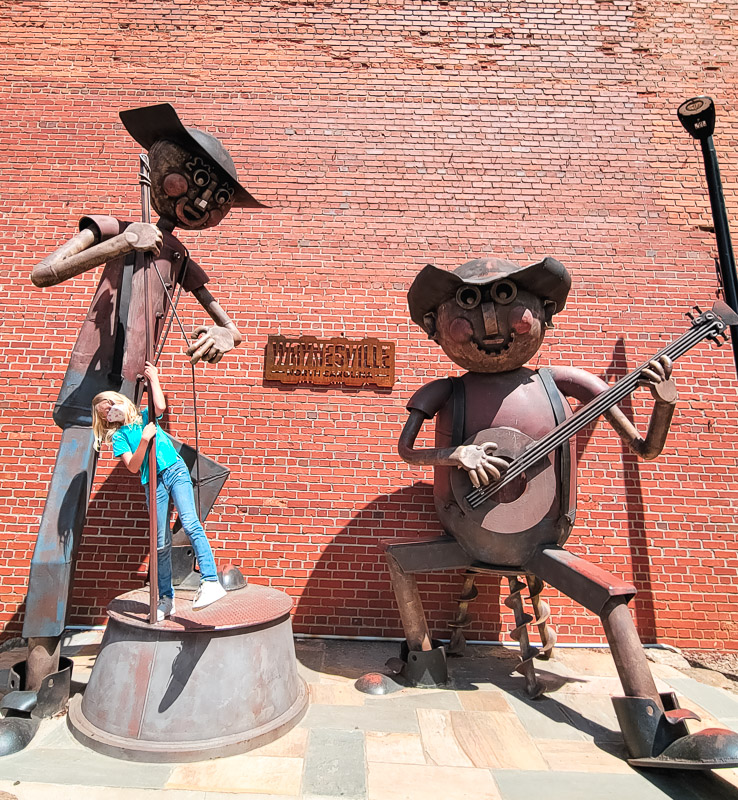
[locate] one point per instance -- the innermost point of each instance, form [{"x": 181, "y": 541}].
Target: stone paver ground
[{"x": 480, "y": 737}]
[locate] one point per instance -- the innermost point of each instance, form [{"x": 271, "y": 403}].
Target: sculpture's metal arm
[
  {"x": 664, "y": 393},
  {"x": 212, "y": 343},
  {"x": 476, "y": 459},
  {"x": 84, "y": 251}
]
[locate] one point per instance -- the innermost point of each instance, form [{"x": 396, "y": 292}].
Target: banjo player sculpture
[{"x": 505, "y": 482}]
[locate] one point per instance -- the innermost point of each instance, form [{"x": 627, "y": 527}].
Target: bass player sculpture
[
  {"x": 505, "y": 481},
  {"x": 193, "y": 185}
]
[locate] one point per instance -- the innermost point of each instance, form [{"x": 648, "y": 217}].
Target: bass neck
[{"x": 708, "y": 325}]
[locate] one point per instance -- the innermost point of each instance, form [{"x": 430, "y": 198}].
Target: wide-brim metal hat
[
  {"x": 547, "y": 279},
  {"x": 148, "y": 124}
]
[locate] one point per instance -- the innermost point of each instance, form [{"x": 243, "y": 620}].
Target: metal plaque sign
[{"x": 330, "y": 361}]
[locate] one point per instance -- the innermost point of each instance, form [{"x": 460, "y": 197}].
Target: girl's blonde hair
[{"x": 104, "y": 430}]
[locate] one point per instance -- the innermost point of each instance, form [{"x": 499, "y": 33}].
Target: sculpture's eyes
[
  {"x": 199, "y": 170},
  {"x": 468, "y": 296},
  {"x": 223, "y": 194},
  {"x": 503, "y": 292}
]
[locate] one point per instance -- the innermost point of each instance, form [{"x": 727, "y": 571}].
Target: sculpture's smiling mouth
[{"x": 494, "y": 346}]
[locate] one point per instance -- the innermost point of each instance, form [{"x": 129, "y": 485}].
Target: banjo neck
[{"x": 708, "y": 325}]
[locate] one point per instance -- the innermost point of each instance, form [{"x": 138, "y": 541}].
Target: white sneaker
[
  {"x": 208, "y": 593},
  {"x": 165, "y": 608}
]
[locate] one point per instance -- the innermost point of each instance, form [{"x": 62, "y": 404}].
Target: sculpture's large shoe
[
  {"x": 22, "y": 710},
  {"x": 16, "y": 733},
  {"x": 712, "y": 748},
  {"x": 660, "y": 739}
]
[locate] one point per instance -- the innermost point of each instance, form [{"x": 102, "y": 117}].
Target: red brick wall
[{"x": 383, "y": 136}]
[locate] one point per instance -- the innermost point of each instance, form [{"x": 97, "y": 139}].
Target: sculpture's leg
[
  {"x": 457, "y": 645},
  {"x": 42, "y": 660},
  {"x": 627, "y": 651},
  {"x": 410, "y": 606},
  {"x": 422, "y": 661},
  {"x": 42, "y": 685},
  {"x": 514, "y": 601},
  {"x": 52, "y": 565},
  {"x": 542, "y": 611},
  {"x": 653, "y": 726}
]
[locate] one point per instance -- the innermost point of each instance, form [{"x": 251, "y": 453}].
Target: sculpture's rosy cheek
[
  {"x": 175, "y": 185},
  {"x": 460, "y": 330},
  {"x": 522, "y": 320}
]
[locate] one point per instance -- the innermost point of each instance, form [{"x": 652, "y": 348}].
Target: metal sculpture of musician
[
  {"x": 505, "y": 479},
  {"x": 194, "y": 185}
]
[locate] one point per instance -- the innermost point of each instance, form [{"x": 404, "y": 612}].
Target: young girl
[{"x": 116, "y": 420}]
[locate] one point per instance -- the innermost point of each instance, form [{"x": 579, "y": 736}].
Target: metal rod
[{"x": 145, "y": 183}]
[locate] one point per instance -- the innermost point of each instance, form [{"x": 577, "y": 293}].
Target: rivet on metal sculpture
[
  {"x": 505, "y": 485},
  {"x": 193, "y": 185}
]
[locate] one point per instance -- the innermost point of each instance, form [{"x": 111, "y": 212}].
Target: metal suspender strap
[
  {"x": 458, "y": 397},
  {"x": 568, "y": 503}
]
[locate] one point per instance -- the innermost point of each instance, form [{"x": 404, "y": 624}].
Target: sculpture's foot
[
  {"x": 660, "y": 739},
  {"x": 424, "y": 669},
  {"x": 712, "y": 748},
  {"x": 16, "y": 733}
]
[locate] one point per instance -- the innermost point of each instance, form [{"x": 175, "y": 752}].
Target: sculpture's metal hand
[
  {"x": 658, "y": 379},
  {"x": 210, "y": 344},
  {"x": 480, "y": 464},
  {"x": 144, "y": 237}
]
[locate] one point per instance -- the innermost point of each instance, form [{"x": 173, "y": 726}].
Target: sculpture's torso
[{"x": 514, "y": 400}]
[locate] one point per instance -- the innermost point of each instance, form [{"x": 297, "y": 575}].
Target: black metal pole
[{"x": 698, "y": 117}]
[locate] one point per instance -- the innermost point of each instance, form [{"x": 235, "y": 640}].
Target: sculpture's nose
[{"x": 489, "y": 315}]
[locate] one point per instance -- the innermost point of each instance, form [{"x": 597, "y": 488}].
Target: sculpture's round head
[
  {"x": 489, "y": 315},
  {"x": 193, "y": 178}
]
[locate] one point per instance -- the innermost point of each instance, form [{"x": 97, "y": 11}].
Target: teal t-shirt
[{"x": 128, "y": 438}]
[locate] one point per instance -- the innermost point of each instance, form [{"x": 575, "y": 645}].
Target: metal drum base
[{"x": 203, "y": 684}]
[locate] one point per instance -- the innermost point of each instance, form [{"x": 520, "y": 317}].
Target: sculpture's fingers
[
  {"x": 196, "y": 355},
  {"x": 668, "y": 366},
  {"x": 492, "y": 471},
  {"x": 648, "y": 376},
  {"x": 658, "y": 368}
]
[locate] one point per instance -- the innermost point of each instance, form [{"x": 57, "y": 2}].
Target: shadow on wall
[
  {"x": 348, "y": 592},
  {"x": 113, "y": 554}
]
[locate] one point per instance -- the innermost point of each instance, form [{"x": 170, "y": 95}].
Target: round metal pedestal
[{"x": 200, "y": 685}]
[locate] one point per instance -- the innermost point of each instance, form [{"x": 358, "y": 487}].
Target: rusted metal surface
[
  {"x": 149, "y": 323},
  {"x": 248, "y": 607},
  {"x": 542, "y": 613},
  {"x": 514, "y": 601},
  {"x": 469, "y": 593},
  {"x": 209, "y": 683},
  {"x": 326, "y": 362},
  {"x": 426, "y": 555},
  {"x": 410, "y": 606},
  {"x": 43, "y": 660},
  {"x": 52, "y": 565},
  {"x": 588, "y": 584},
  {"x": 627, "y": 651}
]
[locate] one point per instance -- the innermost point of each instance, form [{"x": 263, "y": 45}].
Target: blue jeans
[{"x": 174, "y": 484}]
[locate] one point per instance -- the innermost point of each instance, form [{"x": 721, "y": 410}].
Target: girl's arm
[
  {"x": 157, "y": 395},
  {"x": 133, "y": 461}
]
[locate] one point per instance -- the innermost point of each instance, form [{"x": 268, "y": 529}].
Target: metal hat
[
  {"x": 548, "y": 279},
  {"x": 151, "y": 123}
]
